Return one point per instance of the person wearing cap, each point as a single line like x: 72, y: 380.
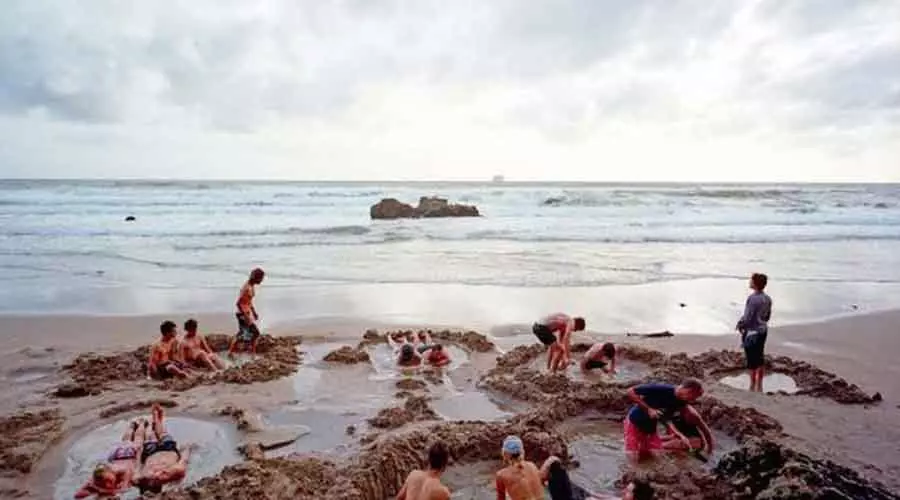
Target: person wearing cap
x: 520, y: 479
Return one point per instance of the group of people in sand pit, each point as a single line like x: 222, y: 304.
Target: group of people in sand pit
x: 171, y: 357
x: 147, y: 457
x: 519, y: 479
x: 414, y: 351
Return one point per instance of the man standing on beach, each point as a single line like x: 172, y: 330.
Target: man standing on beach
x: 248, y: 330
x: 754, y: 329
x: 426, y: 484
x: 555, y: 332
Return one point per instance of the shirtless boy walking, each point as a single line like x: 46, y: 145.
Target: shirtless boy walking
x: 555, y: 332
x: 248, y: 330
x: 426, y: 484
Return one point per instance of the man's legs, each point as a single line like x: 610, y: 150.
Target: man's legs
x: 159, y: 427
x: 173, y: 369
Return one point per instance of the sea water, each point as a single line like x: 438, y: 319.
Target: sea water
x: 628, y: 257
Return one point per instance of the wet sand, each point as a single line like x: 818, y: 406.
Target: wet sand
x: 860, y: 349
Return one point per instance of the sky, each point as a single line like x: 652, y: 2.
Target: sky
x: 593, y: 90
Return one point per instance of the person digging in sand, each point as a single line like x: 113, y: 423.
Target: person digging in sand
x: 754, y: 329
x: 114, y: 476
x: 653, y: 402
x: 688, y: 423
x: 555, y: 332
x: 600, y: 357
x: 164, y: 361
x: 520, y: 479
x: 560, y: 487
x: 196, y: 351
x: 247, y: 317
x: 426, y: 484
x: 162, y: 460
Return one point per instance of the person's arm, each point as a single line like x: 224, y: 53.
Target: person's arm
x: 638, y: 400
x: 178, y: 471
x: 545, y: 468
x: 705, y: 432
x: 501, y: 488
x: 391, y: 342
x: 152, y: 360
x: 674, y: 432
x: 402, y: 494
x: 750, y: 309
x: 204, y: 345
x: 611, y: 367
x: 85, y: 491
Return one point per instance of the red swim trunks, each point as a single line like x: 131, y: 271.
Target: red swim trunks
x: 638, y: 441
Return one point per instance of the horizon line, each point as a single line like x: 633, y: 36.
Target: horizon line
x: 440, y: 181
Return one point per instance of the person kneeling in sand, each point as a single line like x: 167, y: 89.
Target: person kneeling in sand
x: 689, y: 424
x: 560, y: 487
x: 426, y: 484
x: 165, y: 359
x: 600, y: 357
x: 520, y: 479
x: 162, y: 460
x: 114, y: 476
x: 437, y: 356
x: 555, y: 332
x: 196, y: 351
x: 653, y: 402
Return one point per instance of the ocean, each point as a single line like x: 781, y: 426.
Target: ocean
x: 628, y: 257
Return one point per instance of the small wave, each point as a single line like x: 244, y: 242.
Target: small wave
x: 342, y: 194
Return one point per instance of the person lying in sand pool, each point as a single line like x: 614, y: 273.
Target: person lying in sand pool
x: 689, y: 424
x: 426, y: 484
x: 437, y: 356
x: 248, y: 330
x: 114, y: 475
x: 560, y: 487
x: 653, y: 402
x: 162, y: 460
x: 196, y: 351
x: 555, y: 332
x: 520, y: 479
x: 600, y: 357
x: 165, y: 360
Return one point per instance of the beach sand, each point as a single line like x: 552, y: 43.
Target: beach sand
x: 861, y: 349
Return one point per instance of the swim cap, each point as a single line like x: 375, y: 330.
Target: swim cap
x: 512, y: 445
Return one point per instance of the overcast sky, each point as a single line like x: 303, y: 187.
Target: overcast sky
x: 706, y: 90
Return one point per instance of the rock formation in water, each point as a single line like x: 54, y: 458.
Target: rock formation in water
x: 429, y: 207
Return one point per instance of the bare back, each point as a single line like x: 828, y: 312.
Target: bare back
x: 521, y: 481
x: 557, y: 323
x: 421, y: 485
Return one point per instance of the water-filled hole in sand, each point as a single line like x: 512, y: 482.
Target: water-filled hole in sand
x: 626, y: 369
x: 216, y: 448
x: 327, y: 430
x: 470, y: 405
x: 384, y: 360
x: 772, y: 382
x: 473, y: 481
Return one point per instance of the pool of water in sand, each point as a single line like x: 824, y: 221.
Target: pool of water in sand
x: 772, y: 382
x: 216, y: 448
x: 625, y: 370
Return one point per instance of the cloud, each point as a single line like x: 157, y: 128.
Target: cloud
x: 411, y: 89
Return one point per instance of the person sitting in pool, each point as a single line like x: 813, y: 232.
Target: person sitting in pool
x: 520, y: 479
x: 162, y: 460
x: 196, y: 351
x: 408, y: 357
x: 555, y: 332
x: 653, y: 402
x: 114, y: 475
x: 560, y: 487
x: 165, y: 359
x: 600, y: 356
x: 688, y: 424
x: 423, y: 341
x: 248, y: 330
x: 437, y: 356
x: 426, y: 484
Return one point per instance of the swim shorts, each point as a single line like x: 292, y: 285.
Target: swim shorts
x: 246, y: 332
x: 754, y: 349
x: 166, y: 443
x: 122, y: 451
x: 595, y: 364
x: 638, y: 441
x: 162, y: 369
x: 543, y: 333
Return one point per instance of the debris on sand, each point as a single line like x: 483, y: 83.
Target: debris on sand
x: 26, y: 436
x: 136, y: 406
x: 244, y: 419
x: 347, y: 355
x: 411, y: 384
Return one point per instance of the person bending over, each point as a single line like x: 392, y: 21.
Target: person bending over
x: 520, y: 479
x: 113, y: 477
x: 425, y: 484
x: 560, y: 487
x: 600, y: 357
x: 689, y: 424
x: 555, y: 332
x: 653, y: 402
x: 164, y: 361
x: 162, y: 460
x: 247, y: 317
x: 754, y: 329
x: 196, y: 351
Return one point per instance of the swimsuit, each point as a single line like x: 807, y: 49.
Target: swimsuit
x: 122, y: 451
x: 544, y: 334
x: 166, y: 443
x: 246, y: 332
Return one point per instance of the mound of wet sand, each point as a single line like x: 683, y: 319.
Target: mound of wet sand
x: 25, y: 437
x: 347, y: 355
x: 92, y: 373
x: 136, y: 406
x: 415, y: 408
x: 471, y: 340
x: 411, y: 384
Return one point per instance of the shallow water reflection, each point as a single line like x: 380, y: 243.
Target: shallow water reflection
x: 772, y: 382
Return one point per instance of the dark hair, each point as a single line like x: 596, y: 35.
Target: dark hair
x: 190, y: 325
x: 167, y: 327
x: 759, y: 281
x: 579, y: 324
x: 692, y: 384
x: 609, y: 350
x: 257, y: 275
x: 437, y: 347
x: 438, y: 456
x: 642, y: 490
x: 146, y: 485
x: 558, y: 483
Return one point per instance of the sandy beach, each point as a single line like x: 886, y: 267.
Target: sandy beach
x: 860, y: 349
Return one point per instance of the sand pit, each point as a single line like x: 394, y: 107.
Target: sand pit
x: 470, y: 340
x: 216, y: 448
x: 24, y: 438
